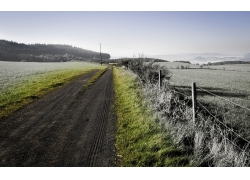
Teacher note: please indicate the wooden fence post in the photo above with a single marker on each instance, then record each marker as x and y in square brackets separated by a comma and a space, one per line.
[160, 80]
[194, 101]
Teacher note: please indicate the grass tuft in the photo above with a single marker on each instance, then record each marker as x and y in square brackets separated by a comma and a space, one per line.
[95, 77]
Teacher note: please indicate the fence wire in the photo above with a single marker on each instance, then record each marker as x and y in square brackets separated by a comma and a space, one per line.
[217, 120]
[223, 98]
[230, 129]
[243, 150]
[175, 91]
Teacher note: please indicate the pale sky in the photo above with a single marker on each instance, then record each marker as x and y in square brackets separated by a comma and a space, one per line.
[128, 33]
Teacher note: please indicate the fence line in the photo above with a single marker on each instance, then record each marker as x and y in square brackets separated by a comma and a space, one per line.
[244, 151]
[223, 98]
[217, 96]
[180, 93]
[230, 129]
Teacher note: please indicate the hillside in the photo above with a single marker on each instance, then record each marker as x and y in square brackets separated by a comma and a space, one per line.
[13, 51]
[227, 62]
[126, 60]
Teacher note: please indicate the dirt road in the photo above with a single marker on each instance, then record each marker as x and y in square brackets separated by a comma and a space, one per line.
[71, 126]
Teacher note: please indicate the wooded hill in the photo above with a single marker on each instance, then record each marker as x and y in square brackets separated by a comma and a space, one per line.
[226, 62]
[124, 60]
[13, 51]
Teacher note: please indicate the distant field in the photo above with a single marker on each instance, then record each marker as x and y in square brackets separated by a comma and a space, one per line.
[175, 65]
[21, 82]
[228, 67]
[231, 85]
[237, 81]
[232, 67]
[14, 73]
[231, 81]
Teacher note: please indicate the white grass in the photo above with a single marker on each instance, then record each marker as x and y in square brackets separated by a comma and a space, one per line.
[14, 73]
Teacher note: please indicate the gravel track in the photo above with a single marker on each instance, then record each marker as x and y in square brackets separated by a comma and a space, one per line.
[71, 127]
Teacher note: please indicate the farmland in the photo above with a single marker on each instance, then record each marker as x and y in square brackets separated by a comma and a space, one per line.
[21, 82]
[227, 67]
[70, 126]
[232, 67]
[234, 82]
[233, 85]
[14, 73]
[218, 134]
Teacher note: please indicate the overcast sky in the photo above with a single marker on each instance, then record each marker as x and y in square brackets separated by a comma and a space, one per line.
[130, 33]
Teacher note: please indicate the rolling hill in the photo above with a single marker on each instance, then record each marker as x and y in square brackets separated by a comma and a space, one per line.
[13, 51]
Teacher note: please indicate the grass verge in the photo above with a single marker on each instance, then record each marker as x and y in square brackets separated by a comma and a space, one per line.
[95, 77]
[16, 97]
[139, 140]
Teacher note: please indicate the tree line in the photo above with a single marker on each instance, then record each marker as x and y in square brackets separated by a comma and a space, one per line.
[13, 51]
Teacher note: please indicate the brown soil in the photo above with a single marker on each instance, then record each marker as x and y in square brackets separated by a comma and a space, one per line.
[71, 126]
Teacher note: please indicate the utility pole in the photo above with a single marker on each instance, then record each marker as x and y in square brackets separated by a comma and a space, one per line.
[101, 52]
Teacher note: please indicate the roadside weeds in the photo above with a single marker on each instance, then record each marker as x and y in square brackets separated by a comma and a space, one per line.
[140, 139]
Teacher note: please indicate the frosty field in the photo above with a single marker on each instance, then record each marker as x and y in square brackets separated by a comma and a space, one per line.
[14, 73]
[232, 85]
[22, 82]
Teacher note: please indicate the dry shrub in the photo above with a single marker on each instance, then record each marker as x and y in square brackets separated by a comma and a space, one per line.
[148, 71]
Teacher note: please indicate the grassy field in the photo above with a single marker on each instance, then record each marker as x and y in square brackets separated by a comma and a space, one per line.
[231, 85]
[140, 140]
[228, 67]
[177, 65]
[232, 67]
[31, 84]
[14, 73]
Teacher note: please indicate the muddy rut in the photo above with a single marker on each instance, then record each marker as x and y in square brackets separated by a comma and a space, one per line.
[71, 126]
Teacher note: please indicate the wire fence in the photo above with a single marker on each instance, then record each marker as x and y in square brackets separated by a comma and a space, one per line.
[228, 129]
[242, 150]
[224, 99]
[209, 134]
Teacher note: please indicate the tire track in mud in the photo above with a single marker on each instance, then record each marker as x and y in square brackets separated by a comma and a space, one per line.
[42, 108]
[101, 130]
[98, 137]
[70, 126]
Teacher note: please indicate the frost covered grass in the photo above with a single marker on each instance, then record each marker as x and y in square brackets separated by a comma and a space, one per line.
[14, 73]
[209, 141]
[140, 139]
[23, 82]
[231, 85]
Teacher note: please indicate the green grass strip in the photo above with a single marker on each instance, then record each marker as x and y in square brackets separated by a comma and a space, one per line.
[16, 97]
[139, 139]
[95, 77]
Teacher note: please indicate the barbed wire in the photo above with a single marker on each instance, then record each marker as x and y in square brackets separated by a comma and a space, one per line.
[243, 150]
[230, 129]
[223, 98]
[175, 91]
[217, 120]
